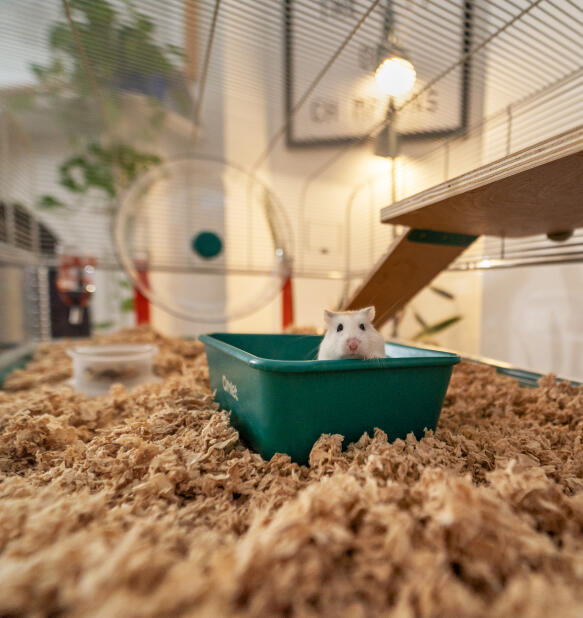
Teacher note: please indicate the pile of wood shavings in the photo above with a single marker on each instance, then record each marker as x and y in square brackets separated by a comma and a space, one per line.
[146, 504]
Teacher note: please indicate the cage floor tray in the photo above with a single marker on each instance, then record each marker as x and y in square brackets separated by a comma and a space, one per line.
[282, 399]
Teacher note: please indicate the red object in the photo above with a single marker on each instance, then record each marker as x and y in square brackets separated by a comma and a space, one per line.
[287, 304]
[75, 279]
[141, 303]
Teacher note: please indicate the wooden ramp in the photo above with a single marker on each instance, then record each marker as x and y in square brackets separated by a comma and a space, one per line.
[538, 190]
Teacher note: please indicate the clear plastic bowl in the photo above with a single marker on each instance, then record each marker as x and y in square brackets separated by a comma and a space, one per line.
[97, 367]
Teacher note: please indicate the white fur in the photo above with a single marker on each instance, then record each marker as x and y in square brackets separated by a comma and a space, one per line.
[335, 344]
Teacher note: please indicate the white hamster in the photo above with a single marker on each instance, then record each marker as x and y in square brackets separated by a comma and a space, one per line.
[350, 334]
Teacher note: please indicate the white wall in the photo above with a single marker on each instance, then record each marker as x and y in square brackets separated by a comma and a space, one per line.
[532, 318]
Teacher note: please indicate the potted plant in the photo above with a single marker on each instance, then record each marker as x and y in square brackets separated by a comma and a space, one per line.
[122, 52]
[103, 168]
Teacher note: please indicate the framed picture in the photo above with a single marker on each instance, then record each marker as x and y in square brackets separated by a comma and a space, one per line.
[346, 104]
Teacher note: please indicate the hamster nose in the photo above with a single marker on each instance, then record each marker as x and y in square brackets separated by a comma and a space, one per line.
[352, 344]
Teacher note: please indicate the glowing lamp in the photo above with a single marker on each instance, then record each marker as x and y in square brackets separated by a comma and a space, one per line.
[395, 76]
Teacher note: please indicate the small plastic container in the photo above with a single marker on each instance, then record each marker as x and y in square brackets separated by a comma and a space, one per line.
[282, 399]
[97, 367]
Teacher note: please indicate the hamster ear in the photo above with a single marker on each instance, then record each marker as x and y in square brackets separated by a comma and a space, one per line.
[328, 315]
[370, 313]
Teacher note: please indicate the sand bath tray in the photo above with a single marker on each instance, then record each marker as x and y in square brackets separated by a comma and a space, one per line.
[97, 367]
[282, 400]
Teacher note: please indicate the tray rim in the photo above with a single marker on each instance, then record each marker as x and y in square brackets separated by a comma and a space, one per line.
[438, 359]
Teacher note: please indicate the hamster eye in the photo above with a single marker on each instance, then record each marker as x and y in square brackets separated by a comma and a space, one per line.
[339, 328]
[361, 326]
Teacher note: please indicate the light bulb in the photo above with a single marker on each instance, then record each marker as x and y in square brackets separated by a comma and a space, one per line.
[395, 76]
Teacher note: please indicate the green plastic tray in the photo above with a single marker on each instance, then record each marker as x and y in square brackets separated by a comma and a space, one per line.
[282, 399]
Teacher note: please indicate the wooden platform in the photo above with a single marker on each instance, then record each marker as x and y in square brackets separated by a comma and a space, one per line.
[538, 190]
[535, 191]
[409, 265]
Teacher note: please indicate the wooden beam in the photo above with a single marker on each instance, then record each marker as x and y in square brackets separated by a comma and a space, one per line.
[538, 190]
[410, 264]
[190, 39]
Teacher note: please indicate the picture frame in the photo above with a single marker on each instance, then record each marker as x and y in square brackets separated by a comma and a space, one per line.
[345, 105]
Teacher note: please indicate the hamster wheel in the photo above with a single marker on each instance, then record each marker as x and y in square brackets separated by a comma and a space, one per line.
[213, 239]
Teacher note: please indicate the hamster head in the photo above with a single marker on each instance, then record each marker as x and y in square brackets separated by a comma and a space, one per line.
[351, 334]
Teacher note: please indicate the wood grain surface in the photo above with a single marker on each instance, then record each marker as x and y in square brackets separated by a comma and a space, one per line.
[536, 191]
[400, 274]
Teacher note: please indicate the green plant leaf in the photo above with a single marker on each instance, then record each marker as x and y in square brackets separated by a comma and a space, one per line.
[442, 292]
[49, 201]
[78, 165]
[102, 325]
[419, 319]
[438, 327]
[127, 305]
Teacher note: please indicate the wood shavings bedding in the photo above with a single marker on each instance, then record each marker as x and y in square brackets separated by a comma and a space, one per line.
[146, 504]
